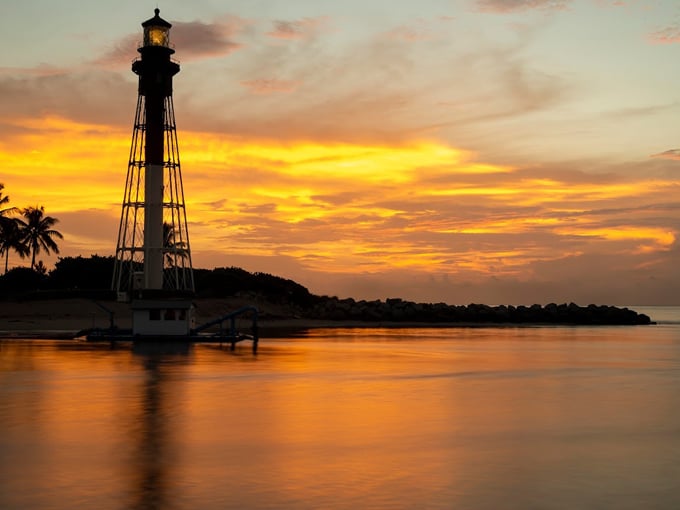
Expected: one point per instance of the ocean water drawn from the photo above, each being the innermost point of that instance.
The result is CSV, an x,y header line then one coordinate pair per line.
x,y
469,418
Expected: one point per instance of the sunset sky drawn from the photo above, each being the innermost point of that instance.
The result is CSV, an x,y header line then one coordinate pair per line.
x,y
497,151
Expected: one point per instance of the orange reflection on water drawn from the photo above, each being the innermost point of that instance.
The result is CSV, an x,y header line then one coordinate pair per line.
x,y
382,418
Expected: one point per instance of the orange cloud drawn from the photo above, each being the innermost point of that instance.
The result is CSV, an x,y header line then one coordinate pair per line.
x,y
339,208
63,163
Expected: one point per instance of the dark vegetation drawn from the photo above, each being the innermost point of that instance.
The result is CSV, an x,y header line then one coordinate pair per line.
x,y
91,278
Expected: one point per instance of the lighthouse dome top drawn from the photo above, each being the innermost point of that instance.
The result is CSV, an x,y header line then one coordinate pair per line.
x,y
156,21
156,31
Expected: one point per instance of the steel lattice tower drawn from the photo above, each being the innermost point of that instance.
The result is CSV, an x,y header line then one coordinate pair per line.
x,y
153,251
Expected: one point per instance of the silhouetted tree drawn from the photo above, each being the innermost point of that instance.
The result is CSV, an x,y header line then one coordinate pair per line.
x,y
11,239
40,268
20,281
177,248
82,273
37,232
9,230
229,281
4,200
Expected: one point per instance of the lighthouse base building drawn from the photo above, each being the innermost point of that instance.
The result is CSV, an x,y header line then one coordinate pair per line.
x,y
162,317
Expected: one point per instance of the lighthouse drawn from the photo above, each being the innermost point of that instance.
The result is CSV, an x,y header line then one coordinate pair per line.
x,y
153,269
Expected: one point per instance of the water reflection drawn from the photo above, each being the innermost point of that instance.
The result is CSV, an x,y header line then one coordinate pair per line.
x,y
549,418
154,424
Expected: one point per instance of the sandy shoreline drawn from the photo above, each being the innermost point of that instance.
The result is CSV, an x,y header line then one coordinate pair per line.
x,y
63,318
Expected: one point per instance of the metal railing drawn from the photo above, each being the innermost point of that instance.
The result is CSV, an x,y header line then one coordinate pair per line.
x,y
232,335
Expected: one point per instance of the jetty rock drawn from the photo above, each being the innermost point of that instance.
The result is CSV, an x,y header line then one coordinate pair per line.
x,y
399,310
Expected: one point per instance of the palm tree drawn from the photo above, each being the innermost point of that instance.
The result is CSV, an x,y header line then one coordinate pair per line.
x,y
11,238
9,230
37,232
172,247
4,201
4,213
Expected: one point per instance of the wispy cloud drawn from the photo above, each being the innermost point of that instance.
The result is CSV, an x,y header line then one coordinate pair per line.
x,y
666,35
416,31
298,29
120,53
270,85
94,96
673,154
194,39
507,6
613,3
641,111
37,71
378,89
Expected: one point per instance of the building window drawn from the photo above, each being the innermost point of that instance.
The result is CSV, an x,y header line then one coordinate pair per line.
x,y
169,315
154,315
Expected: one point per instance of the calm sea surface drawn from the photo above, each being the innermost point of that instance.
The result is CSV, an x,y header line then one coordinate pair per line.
x,y
465,418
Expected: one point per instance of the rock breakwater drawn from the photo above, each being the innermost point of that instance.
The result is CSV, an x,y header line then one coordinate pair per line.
x,y
399,310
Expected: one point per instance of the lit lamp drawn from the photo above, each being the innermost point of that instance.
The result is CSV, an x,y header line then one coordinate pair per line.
x,y
156,31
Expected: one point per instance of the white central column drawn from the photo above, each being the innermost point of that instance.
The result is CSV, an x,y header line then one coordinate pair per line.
x,y
153,227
